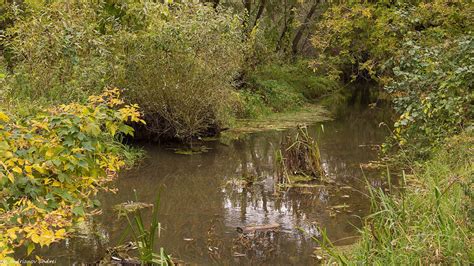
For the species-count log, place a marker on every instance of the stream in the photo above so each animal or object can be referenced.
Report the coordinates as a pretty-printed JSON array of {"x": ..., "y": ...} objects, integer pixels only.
[{"x": 203, "y": 199}]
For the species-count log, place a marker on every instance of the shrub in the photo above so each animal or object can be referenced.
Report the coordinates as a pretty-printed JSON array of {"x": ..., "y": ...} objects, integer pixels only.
[
  {"x": 180, "y": 69},
  {"x": 432, "y": 91},
  {"x": 53, "y": 163},
  {"x": 58, "y": 53},
  {"x": 298, "y": 76},
  {"x": 279, "y": 96},
  {"x": 178, "y": 61},
  {"x": 252, "y": 105},
  {"x": 359, "y": 40}
]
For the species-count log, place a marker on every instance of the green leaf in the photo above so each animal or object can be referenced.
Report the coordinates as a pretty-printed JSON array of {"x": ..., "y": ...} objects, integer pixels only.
[
  {"x": 30, "y": 248},
  {"x": 78, "y": 210}
]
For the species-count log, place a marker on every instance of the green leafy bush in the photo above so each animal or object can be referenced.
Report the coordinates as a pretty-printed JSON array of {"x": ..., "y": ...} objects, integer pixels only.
[
  {"x": 252, "y": 105},
  {"x": 298, "y": 76},
  {"x": 178, "y": 61},
  {"x": 279, "y": 96},
  {"x": 420, "y": 52},
  {"x": 432, "y": 90},
  {"x": 58, "y": 53},
  {"x": 362, "y": 40},
  {"x": 53, "y": 163},
  {"x": 181, "y": 67}
]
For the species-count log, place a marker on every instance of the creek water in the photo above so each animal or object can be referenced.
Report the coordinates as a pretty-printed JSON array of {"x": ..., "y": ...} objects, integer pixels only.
[{"x": 203, "y": 200}]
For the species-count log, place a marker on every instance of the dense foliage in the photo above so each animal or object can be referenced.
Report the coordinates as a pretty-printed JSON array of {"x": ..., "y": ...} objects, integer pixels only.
[
  {"x": 191, "y": 67},
  {"x": 195, "y": 66},
  {"x": 432, "y": 91},
  {"x": 420, "y": 53},
  {"x": 53, "y": 163},
  {"x": 177, "y": 61},
  {"x": 181, "y": 62},
  {"x": 280, "y": 86},
  {"x": 58, "y": 54},
  {"x": 364, "y": 40},
  {"x": 180, "y": 69}
]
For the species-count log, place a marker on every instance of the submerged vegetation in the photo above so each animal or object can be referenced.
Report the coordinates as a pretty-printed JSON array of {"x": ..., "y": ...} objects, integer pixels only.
[{"x": 187, "y": 70}]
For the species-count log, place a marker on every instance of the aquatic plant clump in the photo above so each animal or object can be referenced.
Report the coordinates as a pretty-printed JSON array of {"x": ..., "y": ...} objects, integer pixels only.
[
  {"x": 143, "y": 237},
  {"x": 298, "y": 156}
]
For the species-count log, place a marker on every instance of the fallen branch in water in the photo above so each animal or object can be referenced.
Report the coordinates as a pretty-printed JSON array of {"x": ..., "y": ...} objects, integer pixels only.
[{"x": 252, "y": 229}]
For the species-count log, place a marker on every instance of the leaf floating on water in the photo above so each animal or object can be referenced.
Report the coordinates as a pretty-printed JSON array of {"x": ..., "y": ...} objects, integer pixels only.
[{"x": 342, "y": 206}]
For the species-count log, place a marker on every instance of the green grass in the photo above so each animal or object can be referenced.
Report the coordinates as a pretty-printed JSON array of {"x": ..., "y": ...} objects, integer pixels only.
[
  {"x": 429, "y": 222},
  {"x": 282, "y": 87},
  {"x": 142, "y": 235}
]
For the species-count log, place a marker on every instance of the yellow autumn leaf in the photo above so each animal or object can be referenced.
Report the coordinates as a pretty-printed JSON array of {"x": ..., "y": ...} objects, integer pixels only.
[
  {"x": 12, "y": 232},
  {"x": 35, "y": 238},
  {"x": 49, "y": 153},
  {"x": 11, "y": 177},
  {"x": 40, "y": 169},
  {"x": 28, "y": 169},
  {"x": 60, "y": 233},
  {"x": 17, "y": 169},
  {"x": 4, "y": 117}
]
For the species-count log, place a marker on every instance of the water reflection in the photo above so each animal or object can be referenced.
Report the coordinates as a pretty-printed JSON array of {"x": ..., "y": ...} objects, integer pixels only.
[{"x": 202, "y": 205}]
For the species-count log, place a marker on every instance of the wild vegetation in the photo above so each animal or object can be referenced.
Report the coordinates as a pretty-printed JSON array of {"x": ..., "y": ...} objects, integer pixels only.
[
  {"x": 299, "y": 158},
  {"x": 53, "y": 163},
  {"x": 144, "y": 237},
  {"x": 190, "y": 69},
  {"x": 163, "y": 55},
  {"x": 189, "y": 66},
  {"x": 422, "y": 54}
]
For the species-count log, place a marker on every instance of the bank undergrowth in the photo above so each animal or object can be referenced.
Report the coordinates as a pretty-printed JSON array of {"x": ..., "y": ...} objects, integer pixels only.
[
  {"x": 180, "y": 62},
  {"x": 421, "y": 54},
  {"x": 282, "y": 86},
  {"x": 429, "y": 221},
  {"x": 53, "y": 163}
]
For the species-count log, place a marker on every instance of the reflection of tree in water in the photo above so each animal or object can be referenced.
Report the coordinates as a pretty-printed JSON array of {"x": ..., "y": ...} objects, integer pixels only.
[
  {"x": 342, "y": 150},
  {"x": 199, "y": 211}
]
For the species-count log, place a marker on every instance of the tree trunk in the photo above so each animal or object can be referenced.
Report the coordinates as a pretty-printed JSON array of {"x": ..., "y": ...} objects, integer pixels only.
[
  {"x": 302, "y": 28},
  {"x": 248, "y": 6},
  {"x": 286, "y": 27},
  {"x": 215, "y": 4},
  {"x": 259, "y": 12}
]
